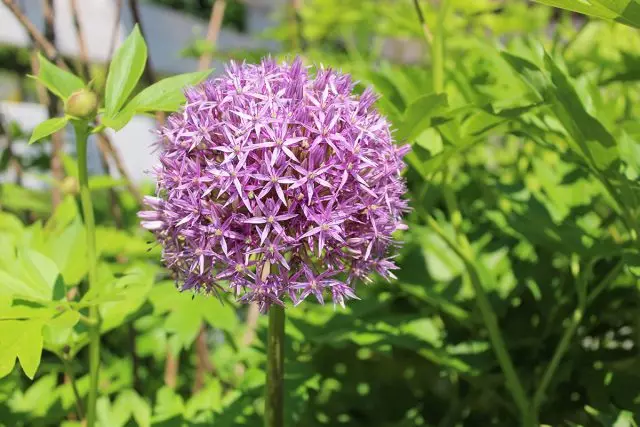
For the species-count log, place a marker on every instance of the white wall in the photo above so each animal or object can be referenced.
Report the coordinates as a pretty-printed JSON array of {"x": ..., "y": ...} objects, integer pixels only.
[
  {"x": 134, "y": 141},
  {"x": 167, "y": 32}
]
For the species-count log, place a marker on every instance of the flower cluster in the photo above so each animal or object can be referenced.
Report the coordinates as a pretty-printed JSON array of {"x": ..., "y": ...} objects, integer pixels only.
[{"x": 274, "y": 183}]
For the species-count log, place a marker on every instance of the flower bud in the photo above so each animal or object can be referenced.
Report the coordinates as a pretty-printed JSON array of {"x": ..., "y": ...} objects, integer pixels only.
[
  {"x": 82, "y": 104},
  {"x": 70, "y": 185}
]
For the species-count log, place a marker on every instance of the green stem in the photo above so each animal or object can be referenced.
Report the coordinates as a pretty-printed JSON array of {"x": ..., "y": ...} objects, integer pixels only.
[
  {"x": 562, "y": 348},
  {"x": 569, "y": 333},
  {"x": 274, "y": 404},
  {"x": 82, "y": 133},
  {"x": 74, "y": 387},
  {"x": 437, "y": 49},
  {"x": 463, "y": 250}
]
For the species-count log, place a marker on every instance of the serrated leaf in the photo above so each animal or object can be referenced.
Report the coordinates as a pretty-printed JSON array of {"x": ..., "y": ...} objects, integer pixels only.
[
  {"x": 587, "y": 135},
  {"x": 133, "y": 287},
  {"x": 58, "y": 330},
  {"x": 417, "y": 117},
  {"x": 60, "y": 82},
  {"x": 47, "y": 128},
  {"x": 21, "y": 339},
  {"x": 626, "y": 12},
  {"x": 125, "y": 71}
]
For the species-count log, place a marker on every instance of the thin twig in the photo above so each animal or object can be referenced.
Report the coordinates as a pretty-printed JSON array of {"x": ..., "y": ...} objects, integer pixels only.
[
  {"x": 40, "y": 40},
  {"x": 298, "y": 39},
  {"x": 249, "y": 334},
  {"x": 115, "y": 32},
  {"x": 82, "y": 45},
  {"x": 171, "y": 368},
  {"x": 213, "y": 30},
  {"x": 53, "y": 109},
  {"x": 69, "y": 374},
  {"x": 11, "y": 157},
  {"x": 105, "y": 144},
  {"x": 423, "y": 23},
  {"x": 565, "y": 342},
  {"x": 203, "y": 365},
  {"x": 462, "y": 248}
]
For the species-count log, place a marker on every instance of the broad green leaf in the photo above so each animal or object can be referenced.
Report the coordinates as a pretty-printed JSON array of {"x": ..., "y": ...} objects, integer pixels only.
[
  {"x": 133, "y": 287},
  {"x": 167, "y": 94},
  {"x": 21, "y": 339},
  {"x": 67, "y": 248},
  {"x": 185, "y": 323},
  {"x": 60, "y": 82},
  {"x": 218, "y": 315},
  {"x": 168, "y": 404},
  {"x": 124, "y": 72},
  {"x": 47, "y": 128},
  {"x": 41, "y": 271},
  {"x": 417, "y": 117},
  {"x": 58, "y": 330},
  {"x": 120, "y": 120},
  {"x": 28, "y": 274},
  {"x": 626, "y": 12},
  {"x": 588, "y": 136}
]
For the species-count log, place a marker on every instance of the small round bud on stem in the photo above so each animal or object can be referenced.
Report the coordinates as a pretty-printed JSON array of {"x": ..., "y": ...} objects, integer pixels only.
[
  {"x": 69, "y": 185},
  {"x": 82, "y": 104}
]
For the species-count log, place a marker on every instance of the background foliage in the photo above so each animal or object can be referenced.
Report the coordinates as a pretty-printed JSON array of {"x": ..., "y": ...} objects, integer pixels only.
[{"x": 523, "y": 184}]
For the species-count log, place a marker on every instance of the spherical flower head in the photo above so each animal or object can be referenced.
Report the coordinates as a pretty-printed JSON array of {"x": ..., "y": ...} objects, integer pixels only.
[{"x": 276, "y": 184}]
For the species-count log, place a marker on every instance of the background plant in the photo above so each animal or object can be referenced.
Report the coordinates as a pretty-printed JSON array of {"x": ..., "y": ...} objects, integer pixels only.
[{"x": 524, "y": 185}]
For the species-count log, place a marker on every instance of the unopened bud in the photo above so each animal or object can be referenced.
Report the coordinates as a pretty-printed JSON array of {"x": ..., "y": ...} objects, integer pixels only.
[
  {"x": 82, "y": 104},
  {"x": 69, "y": 185}
]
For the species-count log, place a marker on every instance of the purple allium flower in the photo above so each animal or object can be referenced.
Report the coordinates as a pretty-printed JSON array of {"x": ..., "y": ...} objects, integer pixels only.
[{"x": 274, "y": 183}]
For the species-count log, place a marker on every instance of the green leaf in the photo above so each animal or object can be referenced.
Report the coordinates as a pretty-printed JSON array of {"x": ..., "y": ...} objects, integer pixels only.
[
  {"x": 626, "y": 12},
  {"x": 60, "y": 82},
  {"x": 417, "y": 117},
  {"x": 47, "y": 128},
  {"x": 124, "y": 72},
  {"x": 58, "y": 330},
  {"x": 29, "y": 275},
  {"x": 120, "y": 120},
  {"x": 104, "y": 182},
  {"x": 21, "y": 339},
  {"x": 133, "y": 287},
  {"x": 167, "y": 94},
  {"x": 587, "y": 135}
]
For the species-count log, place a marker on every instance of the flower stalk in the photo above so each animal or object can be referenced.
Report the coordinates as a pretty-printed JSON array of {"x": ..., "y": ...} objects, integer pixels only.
[
  {"x": 274, "y": 399},
  {"x": 81, "y": 128}
]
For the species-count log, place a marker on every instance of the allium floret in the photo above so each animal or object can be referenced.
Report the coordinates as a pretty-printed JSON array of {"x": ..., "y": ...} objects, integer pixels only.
[{"x": 274, "y": 183}]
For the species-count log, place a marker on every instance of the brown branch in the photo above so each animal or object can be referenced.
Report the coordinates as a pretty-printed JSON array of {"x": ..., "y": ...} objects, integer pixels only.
[
  {"x": 53, "y": 108},
  {"x": 250, "y": 333},
  {"x": 10, "y": 155},
  {"x": 116, "y": 212},
  {"x": 116, "y": 27},
  {"x": 213, "y": 30},
  {"x": 203, "y": 364},
  {"x": 111, "y": 151},
  {"x": 171, "y": 368},
  {"x": 82, "y": 45},
  {"x": 39, "y": 39}
]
